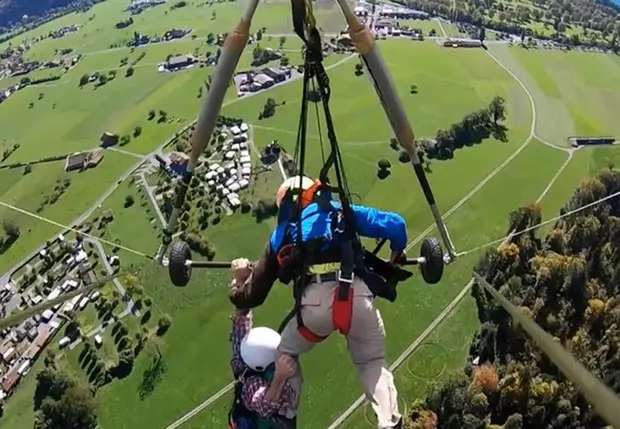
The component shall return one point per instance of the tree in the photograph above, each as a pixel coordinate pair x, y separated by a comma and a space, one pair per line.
210, 38
41, 95
30, 105
269, 108
103, 79
482, 34
151, 115
137, 131
52, 384
27, 169
129, 200
125, 140
284, 61
497, 108
11, 229
359, 69
129, 72
163, 324
282, 41
74, 410
383, 164
213, 16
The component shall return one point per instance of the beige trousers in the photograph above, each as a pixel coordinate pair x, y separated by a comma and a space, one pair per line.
365, 340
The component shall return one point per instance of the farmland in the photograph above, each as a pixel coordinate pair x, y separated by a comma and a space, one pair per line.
572, 94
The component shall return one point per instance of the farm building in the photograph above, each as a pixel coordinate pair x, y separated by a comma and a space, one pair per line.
462, 43
83, 160
179, 62
108, 139
176, 33
591, 141
264, 81
277, 75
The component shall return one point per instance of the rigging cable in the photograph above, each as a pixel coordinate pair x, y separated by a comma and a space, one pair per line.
538, 225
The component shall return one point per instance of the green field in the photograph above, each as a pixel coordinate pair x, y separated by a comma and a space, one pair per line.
572, 94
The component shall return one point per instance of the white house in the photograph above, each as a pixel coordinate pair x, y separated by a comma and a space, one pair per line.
211, 183
83, 303
235, 130
47, 315
95, 295
229, 154
81, 257
244, 153
243, 183
37, 300
55, 293
64, 341
244, 159
24, 367
235, 146
230, 181
244, 128
220, 170
246, 171
98, 340
234, 187
214, 167
233, 171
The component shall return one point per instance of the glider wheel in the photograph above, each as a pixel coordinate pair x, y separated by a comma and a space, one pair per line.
432, 269
180, 272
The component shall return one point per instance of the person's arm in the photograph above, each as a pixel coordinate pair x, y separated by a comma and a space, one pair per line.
373, 223
257, 286
241, 325
263, 397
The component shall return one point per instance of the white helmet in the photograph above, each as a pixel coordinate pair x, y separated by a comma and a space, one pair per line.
293, 184
258, 348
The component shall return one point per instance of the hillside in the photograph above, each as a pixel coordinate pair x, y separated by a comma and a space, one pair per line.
12, 11
568, 283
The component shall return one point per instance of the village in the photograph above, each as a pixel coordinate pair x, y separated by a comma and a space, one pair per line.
62, 266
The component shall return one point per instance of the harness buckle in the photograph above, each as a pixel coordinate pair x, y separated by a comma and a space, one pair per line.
342, 278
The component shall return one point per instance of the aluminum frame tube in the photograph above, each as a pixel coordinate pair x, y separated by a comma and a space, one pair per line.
397, 116
234, 45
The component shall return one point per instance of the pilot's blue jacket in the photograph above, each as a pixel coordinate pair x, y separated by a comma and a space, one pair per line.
316, 223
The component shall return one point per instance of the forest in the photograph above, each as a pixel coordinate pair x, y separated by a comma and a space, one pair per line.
514, 18
568, 282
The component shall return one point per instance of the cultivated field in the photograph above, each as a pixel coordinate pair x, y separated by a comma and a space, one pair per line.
476, 189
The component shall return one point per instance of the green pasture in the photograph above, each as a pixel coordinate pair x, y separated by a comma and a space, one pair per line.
99, 34
426, 25
202, 308
451, 83
576, 93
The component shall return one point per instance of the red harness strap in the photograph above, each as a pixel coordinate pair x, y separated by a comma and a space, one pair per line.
308, 335
342, 314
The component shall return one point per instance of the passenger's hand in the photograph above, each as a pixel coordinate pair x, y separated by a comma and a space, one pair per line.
398, 257
285, 366
241, 270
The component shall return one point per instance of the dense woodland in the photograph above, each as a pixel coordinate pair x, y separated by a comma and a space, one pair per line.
514, 18
569, 283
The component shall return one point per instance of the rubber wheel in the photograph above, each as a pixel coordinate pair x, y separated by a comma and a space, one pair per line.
180, 273
432, 269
